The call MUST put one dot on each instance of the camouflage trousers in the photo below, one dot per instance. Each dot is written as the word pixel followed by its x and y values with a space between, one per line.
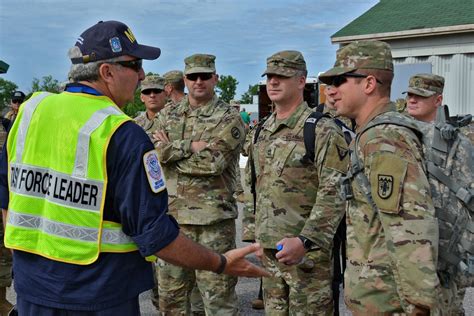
pixel 298 290
pixel 5 262
pixel 217 291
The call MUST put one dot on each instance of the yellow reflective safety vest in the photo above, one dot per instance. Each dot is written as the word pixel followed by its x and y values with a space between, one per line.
pixel 57 178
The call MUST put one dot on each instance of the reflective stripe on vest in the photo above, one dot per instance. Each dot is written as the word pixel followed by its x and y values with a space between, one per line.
pixel 57 192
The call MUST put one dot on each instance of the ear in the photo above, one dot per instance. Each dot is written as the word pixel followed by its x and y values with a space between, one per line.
pixel 217 77
pixel 301 82
pixel 439 100
pixel 141 98
pixel 106 72
pixel 370 84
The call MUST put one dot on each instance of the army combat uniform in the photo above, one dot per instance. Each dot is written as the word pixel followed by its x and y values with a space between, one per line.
pixel 391 266
pixel 200 188
pixel 295 199
pixel 149 125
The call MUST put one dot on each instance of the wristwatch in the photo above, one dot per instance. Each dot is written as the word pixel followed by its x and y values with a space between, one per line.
pixel 307 244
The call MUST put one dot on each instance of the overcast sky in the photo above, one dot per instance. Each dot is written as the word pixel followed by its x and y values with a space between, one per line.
pixel 35 35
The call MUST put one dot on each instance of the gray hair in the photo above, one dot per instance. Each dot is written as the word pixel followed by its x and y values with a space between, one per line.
pixel 88 71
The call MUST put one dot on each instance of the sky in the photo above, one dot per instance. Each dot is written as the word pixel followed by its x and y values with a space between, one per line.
pixel 35 35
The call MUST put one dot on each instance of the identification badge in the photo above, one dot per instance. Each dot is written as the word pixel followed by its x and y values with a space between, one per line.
pixel 153 171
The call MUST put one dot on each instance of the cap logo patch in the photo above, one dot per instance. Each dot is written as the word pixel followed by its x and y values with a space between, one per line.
pixel 153 171
pixel 115 44
pixel 130 35
pixel 385 186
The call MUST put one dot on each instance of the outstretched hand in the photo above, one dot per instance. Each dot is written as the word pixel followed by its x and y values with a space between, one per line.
pixel 237 265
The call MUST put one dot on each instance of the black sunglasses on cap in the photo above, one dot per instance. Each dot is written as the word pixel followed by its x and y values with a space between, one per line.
pixel 149 91
pixel 135 64
pixel 204 76
pixel 341 79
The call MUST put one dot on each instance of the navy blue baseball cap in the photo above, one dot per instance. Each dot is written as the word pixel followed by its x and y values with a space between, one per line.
pixel 111 39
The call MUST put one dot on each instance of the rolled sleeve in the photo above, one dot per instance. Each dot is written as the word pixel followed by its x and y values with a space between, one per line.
pixel 141 211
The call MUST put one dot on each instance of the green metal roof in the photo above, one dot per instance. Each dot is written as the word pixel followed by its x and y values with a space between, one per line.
pixel 3 67
pixel 403 15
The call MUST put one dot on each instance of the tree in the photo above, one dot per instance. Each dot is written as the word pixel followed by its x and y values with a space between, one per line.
pixel 6 90
pixel 247 97
pixel 226 87
pixel 47 83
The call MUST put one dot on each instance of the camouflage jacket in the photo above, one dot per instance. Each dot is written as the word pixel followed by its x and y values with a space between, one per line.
pixel 392 252
pixel 201 185
pixel 292 198
pixel 468 131
pixel 148 125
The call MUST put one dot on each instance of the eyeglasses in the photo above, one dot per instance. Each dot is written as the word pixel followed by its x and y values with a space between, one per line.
pixel 203 76
pixel 341 79
pixel 17 101
pixel 149 91
pixel 135 64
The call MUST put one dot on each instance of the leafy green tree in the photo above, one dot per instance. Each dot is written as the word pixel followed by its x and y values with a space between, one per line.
pixel 246 98
pixel 226 87
pixel 47 83
pixel 6 90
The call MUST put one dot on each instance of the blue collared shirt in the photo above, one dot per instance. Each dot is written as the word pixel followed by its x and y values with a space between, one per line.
pixel 130 201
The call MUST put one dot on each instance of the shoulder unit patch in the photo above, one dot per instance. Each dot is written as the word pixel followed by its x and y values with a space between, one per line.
pixel 153 171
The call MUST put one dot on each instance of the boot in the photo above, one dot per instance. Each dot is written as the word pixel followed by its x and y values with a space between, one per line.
pixel 5 305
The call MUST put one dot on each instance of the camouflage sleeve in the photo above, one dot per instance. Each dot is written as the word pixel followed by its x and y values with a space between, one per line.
pixel 331 162
pixel 401 191
pixel 174 150
pixel 213 159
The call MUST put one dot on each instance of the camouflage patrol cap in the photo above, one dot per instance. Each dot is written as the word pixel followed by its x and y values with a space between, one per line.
pixel 360 55
pixel 199 63
pixel 173 76
pixel 285 63
pixel 425 85
pixel 152 82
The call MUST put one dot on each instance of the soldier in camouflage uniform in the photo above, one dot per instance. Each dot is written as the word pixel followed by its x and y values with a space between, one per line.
pixel 392 245
pixel 174 87
pixel 298 204
pixel 154 97
pixel 199 142
pixel 424 96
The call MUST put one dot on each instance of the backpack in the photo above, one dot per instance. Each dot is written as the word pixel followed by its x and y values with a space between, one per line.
pixel 449 164
pixel 339 242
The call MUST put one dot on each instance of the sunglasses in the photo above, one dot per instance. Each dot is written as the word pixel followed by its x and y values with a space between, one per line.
pixel 341 79
pixel 149 91
pixel 17 101
pixel 135 64
pixel 203 76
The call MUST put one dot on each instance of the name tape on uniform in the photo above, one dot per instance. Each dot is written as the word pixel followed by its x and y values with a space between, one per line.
pixel 56 187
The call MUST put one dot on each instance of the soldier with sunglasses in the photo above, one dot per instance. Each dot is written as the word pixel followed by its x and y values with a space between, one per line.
pixel 154 97
pixel 392 238
pixel 84 193
pixel 198 142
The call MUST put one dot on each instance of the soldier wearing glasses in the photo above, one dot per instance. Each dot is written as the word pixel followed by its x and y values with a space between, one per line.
pixel 154 97
pixel 199 141
pixel 85 194
pixel 392 240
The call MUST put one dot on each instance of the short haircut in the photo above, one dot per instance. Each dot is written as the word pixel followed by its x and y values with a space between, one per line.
pixel 88 71
pixel 384 76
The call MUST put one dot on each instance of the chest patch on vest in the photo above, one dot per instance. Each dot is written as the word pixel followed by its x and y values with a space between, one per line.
pixel 153 171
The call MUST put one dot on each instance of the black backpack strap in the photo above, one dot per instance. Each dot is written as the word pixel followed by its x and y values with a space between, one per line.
pixel 320 108
pixel 253 174
pixel 309 137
